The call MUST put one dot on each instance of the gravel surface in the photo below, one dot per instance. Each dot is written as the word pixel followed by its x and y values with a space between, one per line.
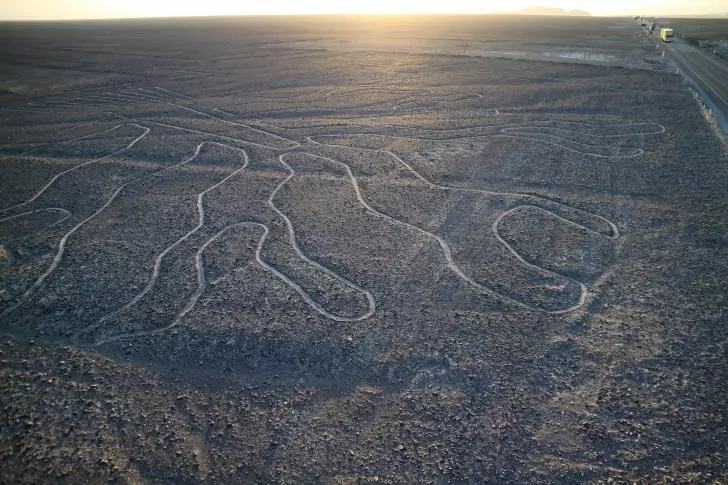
pixel 348 250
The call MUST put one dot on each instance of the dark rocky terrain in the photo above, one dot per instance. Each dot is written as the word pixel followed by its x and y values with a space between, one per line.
pixel 349 250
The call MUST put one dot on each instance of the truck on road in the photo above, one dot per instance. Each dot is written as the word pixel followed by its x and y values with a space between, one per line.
pixel 667 34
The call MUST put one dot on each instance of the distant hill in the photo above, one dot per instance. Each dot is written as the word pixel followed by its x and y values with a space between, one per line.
pixel 539 10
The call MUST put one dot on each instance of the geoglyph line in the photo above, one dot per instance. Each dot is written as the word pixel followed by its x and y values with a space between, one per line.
pixel 158 95
pixel 23 109
pixel 294 242
pixel 294 143
pixel 214 135
pixel 660 128
pixel 104 100
pixel 614 231
pixel 207 115
pixel 505 133
pixel 505 127
pixel 59 175
pixel 202 284
pixel 61 104
pixel 145 96
pixel 613 87
pixel 62 243
pixel 514 130
pixel 447 250
pixel 126 99
pixel 162 96
pixel 199 263
pixel 173 93
pixel 448 253
pixel 59 254
pixel 511 249
pixel 200 222
pixel 46 143
pixel 66 215
pixel 55 209
pixel 635 153
pixel 372 107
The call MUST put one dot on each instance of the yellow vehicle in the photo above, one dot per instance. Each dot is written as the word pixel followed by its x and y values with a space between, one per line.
pixel 666 35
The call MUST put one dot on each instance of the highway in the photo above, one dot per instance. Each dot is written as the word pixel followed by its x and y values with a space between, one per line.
pixel 709 73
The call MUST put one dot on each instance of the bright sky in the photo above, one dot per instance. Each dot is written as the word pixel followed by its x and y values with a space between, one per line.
pixel 69 9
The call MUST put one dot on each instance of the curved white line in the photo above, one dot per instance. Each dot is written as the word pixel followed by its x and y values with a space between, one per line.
pixel 500 134
pixel 518 129
pixel 500 126
pixel 126 99
pixel 66 215
pixel 46 143
pixel 64 239
pixel 104 102
pixel 59 175
pixel 200 222
pixel 582 286
pixel 199 260
pixel 144 97
pixel 215 135
pixel 59 254
pixel 637 153
pixel 207 115
pixel 447 251
pixel 614 231
pixel 199 263
pixel 23 110
pixel 179 95
pixel 162 96
pixel 292 237
pixel 202 284
pixel 56 209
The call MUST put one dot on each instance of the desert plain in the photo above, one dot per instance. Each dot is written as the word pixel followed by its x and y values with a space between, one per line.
pixel 357 250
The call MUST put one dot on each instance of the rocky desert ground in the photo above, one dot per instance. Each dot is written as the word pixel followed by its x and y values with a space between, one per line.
pixel 353 250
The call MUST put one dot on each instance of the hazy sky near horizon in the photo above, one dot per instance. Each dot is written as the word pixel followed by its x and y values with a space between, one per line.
pixel 79 9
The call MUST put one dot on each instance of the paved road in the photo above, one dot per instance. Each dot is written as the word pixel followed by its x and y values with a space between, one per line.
pixel 708 72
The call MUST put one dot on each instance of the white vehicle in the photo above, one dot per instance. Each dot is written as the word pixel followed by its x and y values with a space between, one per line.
pixel 667 34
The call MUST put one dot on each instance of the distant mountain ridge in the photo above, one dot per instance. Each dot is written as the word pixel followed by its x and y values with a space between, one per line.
pixel 540 10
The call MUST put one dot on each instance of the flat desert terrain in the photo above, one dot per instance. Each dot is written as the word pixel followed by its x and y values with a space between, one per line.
pixel 358 250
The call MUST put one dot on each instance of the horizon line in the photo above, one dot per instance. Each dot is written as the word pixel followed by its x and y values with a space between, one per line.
pixel 520 13
pixel 317 14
